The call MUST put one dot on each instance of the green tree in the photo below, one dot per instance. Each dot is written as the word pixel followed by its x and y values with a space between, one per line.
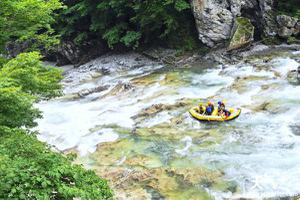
pixel 16 108
pixel 28 168
pixel 27 71
pixel 28 20
pixel 130 23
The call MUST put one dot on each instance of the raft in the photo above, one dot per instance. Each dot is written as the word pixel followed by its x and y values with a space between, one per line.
pixel 235 113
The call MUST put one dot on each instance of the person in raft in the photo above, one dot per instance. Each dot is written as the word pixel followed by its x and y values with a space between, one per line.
pixel 222 111
pixel 201 109
pixel 209 108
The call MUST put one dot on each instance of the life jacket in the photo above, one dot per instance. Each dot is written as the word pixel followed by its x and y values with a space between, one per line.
pixel 209 109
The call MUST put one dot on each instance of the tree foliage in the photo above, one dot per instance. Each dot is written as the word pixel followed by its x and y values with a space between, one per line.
pixel 22 20
pixel 289 7
pixel 27 72
pixel 16 108
pixel 23 81
pixel 130 23
pixel 28 170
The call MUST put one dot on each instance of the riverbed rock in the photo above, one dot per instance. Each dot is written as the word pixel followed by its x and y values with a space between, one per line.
pixel 271 107
pixel 156 108
pixel 146 80
pixel 287 26
pixel 294 76
pixel 119 88
pixel 89 91
pixel 169 132
pixel 241 84
pixel 243 33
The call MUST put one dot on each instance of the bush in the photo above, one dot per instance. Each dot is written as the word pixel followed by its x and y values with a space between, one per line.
pixel 29 170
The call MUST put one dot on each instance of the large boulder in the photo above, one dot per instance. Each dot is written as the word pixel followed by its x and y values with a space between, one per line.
pixel 215 19
pixel 243 33
pixel 287 26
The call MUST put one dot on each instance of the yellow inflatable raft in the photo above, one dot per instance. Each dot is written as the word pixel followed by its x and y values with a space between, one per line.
pixel 214 117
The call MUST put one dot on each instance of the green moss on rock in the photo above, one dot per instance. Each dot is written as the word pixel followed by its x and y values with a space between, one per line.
pixel 243 34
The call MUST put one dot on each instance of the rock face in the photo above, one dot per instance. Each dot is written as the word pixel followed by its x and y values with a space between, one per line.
pixel 243 33
pixel 287 26
pixel 15 48
pixel 215 19
pixel 68 53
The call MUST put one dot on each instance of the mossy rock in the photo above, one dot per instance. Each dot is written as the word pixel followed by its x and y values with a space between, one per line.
pixel 243 33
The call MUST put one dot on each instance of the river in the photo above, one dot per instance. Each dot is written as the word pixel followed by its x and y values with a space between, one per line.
pixel 130 123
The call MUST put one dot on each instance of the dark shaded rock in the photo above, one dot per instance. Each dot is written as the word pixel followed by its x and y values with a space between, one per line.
pixel 287 26
pixel 69 53
pixel 295 129
pixel 15 48
pixel 268 17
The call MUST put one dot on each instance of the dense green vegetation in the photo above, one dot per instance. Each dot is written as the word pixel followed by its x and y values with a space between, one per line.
pixel 129 23
pixel 22 20
pixel 289 7
pixel 28 168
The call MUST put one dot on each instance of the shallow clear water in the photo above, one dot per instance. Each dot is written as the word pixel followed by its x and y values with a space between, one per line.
pixel 259 151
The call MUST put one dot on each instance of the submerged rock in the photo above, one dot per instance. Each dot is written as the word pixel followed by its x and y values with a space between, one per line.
pixel 295 129
pixel 243 33
pixel 146 80
pixel 119 88
pixel 173 79
pixel 294 76
pixel 89 91
pixel 167 131
pixel 156 108
pixel 241 84
pixel 160 182
pixel 271 107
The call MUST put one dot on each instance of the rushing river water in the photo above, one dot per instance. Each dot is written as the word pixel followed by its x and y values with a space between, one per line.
pixel 131 125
